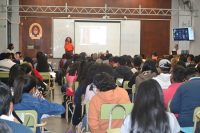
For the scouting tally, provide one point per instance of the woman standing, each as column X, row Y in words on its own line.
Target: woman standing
column 69, row 48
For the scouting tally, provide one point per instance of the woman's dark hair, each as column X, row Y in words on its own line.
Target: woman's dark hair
column 181, row 63
column 5, row 99
column 178, row 74
column 137, row 61
column 23, row 84
column 10, row 46
column 148, row 114
column 149, row 65
column 29, row 60
column 191, row 72
column 73, row 68
column 15, row 71
column 68, row 38
column 42, row 64
column 26, row 68
column 104, row 81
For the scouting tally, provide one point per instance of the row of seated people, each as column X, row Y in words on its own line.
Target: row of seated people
column 171, row 75
column 25, row 83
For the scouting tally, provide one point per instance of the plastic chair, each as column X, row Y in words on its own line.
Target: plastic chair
column 115, row 111
column 196, row 116
column 48, row 76
column 133, row 92
column 125, row 85
column 29, row 119
column 119, row 81
column 114, row 130
column 4, row 74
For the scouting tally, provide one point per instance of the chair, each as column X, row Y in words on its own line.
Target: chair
column 48, row 76
column 119, row 81
column 125, row 85
column 133, row 92
column 114, row 130
column 196, row 118
column 4, row 74
column 29, row 119
column 115, row 111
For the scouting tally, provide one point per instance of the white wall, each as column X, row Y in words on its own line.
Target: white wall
column 130, row 36
column 178, row 20
column 3, row 27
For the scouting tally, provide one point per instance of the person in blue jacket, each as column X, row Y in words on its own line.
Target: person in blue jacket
column 187, row 98
column 25, row 93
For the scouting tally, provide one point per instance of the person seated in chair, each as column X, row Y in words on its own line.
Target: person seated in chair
column 107, row 93
column 6, row 110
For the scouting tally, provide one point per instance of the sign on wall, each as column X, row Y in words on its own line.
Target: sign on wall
column 35, row 31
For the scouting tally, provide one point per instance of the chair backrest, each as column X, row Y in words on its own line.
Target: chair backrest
column 76, row 85
column 125, row 85
column 114, row 130
column 119, row 81
column 115, row 111
column 4, row 74
column 45, row 75
column 29, row 118
column 196, row 116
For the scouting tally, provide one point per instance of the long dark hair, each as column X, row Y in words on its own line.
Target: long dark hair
column 149, row 114
column 42, row 63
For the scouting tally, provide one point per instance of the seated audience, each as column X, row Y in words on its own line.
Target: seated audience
column 6, row 63
column 164, row 77
column 154, row 56
column 149, row 114
column 6, row 110
column 177, row 78
column 187, row 98
column 24, row 90
column 108, row 93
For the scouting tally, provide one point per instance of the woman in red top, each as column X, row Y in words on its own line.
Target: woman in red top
column 69, row 48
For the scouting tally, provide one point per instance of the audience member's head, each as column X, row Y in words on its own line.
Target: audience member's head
column 15, row 71
column 10, row 46
column 18, row 55
column 190, row 58
column 178, row 74
column 183, row 58
column 181, row 63
column 42, row 64
column 104, row 81
column 26, row 67
column 149, row 105
column 154, row 56
column 29, row 60
column 6, row 105
column 23, row 84
column 164, row 65
column 137, row 61
column 122, row 61
column 191, row 72
column 149, row 65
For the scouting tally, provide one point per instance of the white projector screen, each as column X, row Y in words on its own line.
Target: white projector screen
column 97, row 36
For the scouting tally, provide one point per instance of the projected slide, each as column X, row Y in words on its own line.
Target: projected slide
column 95, row 37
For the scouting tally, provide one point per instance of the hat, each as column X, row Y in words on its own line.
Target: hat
column 164, row 63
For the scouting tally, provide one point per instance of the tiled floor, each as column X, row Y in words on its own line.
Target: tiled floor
column 57, row 124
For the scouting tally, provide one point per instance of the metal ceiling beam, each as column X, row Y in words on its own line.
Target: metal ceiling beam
column 36, row 9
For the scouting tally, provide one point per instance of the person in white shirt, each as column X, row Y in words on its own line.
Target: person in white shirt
column 6, row 63
column 149, row 114
column 10, row 48
column 164, row 77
